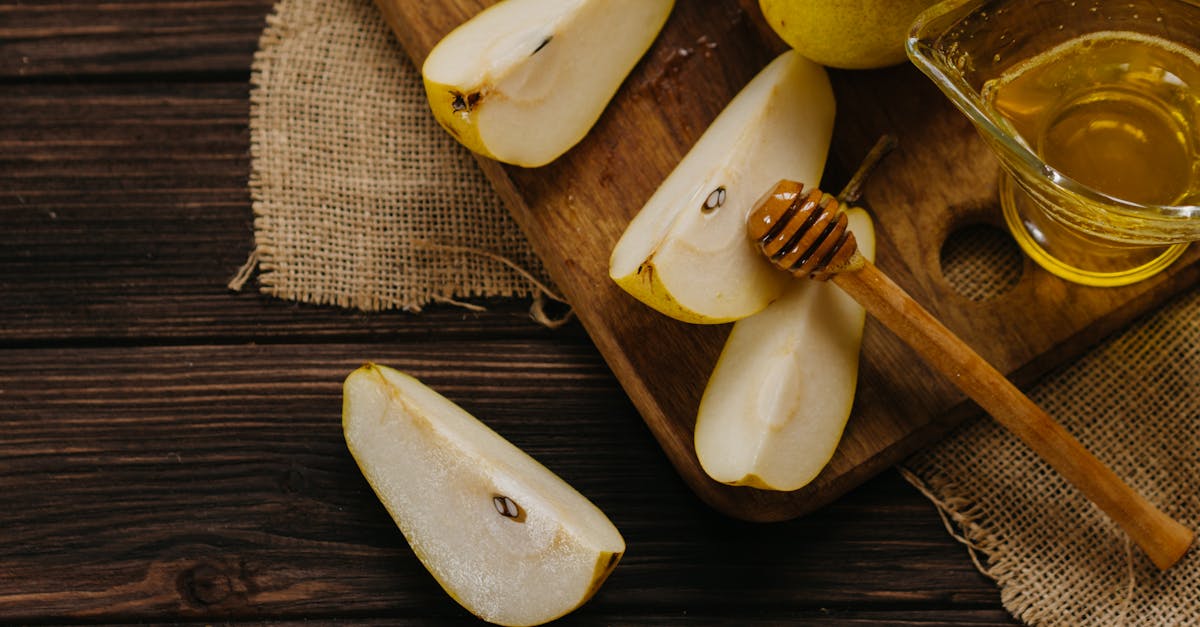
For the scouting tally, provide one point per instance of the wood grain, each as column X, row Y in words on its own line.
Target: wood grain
column 177, row 483
column 126, row 210
column 76, row 38
column 941, row 178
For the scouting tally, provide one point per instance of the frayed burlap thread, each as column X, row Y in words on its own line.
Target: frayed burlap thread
column 352, row 179
column 1135, row 403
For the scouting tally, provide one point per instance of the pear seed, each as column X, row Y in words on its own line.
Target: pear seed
column 541, row 45
column 715, row 199
column 462, row 103
column 508, row 508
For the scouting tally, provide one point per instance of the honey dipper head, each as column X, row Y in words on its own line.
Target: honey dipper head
column 801, row 231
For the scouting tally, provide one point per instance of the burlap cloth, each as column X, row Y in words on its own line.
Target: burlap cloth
column 360, row 200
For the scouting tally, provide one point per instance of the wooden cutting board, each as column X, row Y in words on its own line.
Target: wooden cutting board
column 940, row 179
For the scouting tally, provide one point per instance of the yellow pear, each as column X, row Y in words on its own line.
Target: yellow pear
column 781, row 392
column 524, row 80
column 849, row 34
column 686, row 253
column 505, row 537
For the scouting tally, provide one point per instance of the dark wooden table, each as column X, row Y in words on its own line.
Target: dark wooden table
column 171, row 451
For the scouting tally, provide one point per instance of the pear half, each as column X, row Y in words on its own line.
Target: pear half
column 524, row 80
column 505, row 537
column 781, row 392
column 686, row 253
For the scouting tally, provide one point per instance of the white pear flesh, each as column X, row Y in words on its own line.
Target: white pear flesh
column 781, row 393
column 686, row 253
column 507, row 538
column 525, row 80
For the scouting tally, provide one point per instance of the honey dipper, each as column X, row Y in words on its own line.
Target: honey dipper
column 804, row 232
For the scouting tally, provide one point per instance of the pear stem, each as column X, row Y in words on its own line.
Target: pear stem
column 853, row 189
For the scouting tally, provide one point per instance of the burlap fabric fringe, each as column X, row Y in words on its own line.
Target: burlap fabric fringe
column 361, row 201
column 1134, row 401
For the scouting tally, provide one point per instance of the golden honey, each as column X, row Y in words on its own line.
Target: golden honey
column 1117, row 111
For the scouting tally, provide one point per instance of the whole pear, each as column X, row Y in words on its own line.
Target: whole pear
column 849, row 34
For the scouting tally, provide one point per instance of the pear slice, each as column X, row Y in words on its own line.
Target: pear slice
column 524, row 80
column 505, row 537
column 686, row 253
column 781, row 392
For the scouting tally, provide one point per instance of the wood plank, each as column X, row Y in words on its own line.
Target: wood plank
column 809, row 617
column 77, row 38
column 212, row 483
column 126, row 210
column 942, row 177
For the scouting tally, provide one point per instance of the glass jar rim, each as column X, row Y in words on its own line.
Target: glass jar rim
column 928, row 58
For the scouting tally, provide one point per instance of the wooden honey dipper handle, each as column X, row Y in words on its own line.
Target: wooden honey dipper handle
column 784, row 221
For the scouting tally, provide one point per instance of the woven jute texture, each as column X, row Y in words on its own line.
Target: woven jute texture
column 359, row 197
column 1135, row 403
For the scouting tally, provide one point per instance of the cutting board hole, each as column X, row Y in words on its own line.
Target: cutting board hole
column 981, row 262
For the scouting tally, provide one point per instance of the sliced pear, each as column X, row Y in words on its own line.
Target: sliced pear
column 781, row 393
column 505, row 537
column 686, row 253
column 524, row 80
